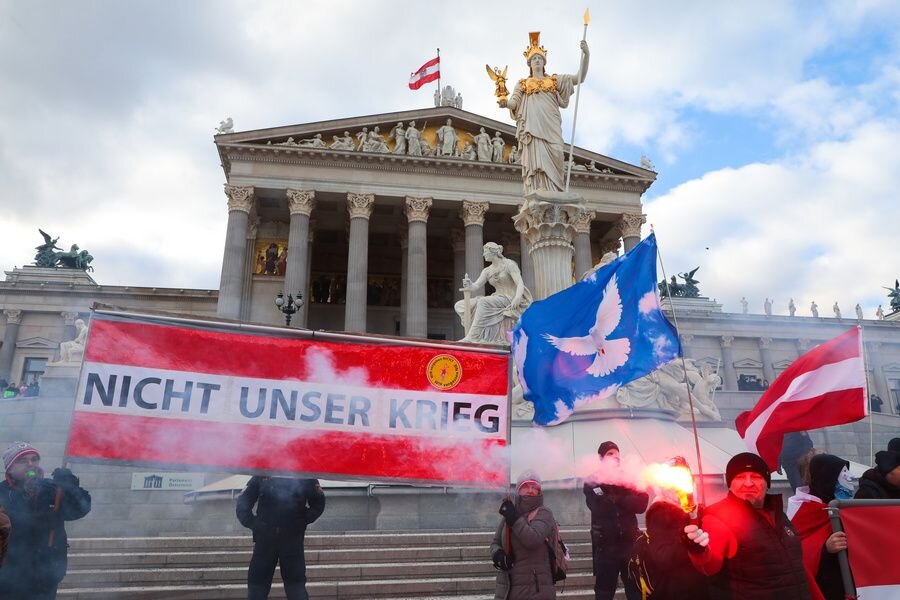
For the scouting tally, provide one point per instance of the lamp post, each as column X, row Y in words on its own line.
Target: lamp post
column 289, row 305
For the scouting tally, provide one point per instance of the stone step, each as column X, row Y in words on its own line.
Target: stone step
column 156, row 559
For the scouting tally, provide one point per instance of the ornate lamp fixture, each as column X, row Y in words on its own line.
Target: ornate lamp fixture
column 289, row 305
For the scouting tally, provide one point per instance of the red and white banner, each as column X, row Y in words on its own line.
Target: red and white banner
column 824, row 387
column 871, row 539
column 430, row 71
column 210, row 396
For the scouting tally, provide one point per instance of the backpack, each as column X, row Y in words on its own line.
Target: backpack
column 637, row 566
column 559, row 552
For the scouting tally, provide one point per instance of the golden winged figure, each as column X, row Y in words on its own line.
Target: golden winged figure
column 500, row 82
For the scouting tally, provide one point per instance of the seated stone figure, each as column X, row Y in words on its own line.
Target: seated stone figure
column 73, row 350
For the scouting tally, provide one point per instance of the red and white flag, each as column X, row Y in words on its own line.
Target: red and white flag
column 872, row 538
column 824, row 387
column 430, row 71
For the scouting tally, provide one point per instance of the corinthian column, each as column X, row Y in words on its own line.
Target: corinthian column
column 296, row 276
column 527, row 262
column 10, row 337
column 240, row 201
column 630, row 226
column 417, row 210
column 472, row 213
column 730, row 378
column 359, row 206
column 404, row 278
column 458, row 243
column 583, row 243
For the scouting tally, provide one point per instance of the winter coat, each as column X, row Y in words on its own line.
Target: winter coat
column 284, row 506
column 873, row 486
column 37, row 553
column 530, row 577
column 614, row 511
column 752, row 554
column 4, row 534
column 660, row 563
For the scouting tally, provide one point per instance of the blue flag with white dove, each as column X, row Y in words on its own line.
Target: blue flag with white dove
column 587, row 341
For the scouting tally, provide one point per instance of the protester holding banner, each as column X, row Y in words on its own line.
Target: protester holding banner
column 829, row 478
column 520, row 550
column 38, row 508
column 284, row 508
column 747, row 545
column 882, row 482
column 614, row 510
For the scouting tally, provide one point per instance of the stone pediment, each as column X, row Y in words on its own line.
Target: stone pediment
column 37, row 343
column 891, row 367
column 748, row 363
column 374, row 139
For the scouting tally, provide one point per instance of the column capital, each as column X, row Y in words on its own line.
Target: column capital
column 417, row 209
column 803, row 344
column 472, row 212
column 301, row 202
column 457, row 240
column 726, row 341
column 69, row 317
column 13, row 317
column 583, row 222
column 765, row 343
column 360, row 205
column 630, row 224
column 686, row 338
column 239, row 198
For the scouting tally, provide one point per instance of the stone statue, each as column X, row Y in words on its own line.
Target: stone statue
column 375, row 143
column 399, row 136
column 288, row 142
column 497, row 145
column 744, row 304
column 592, row 167
column 313, row 142
column 688, row 289
column 879, row 313
column 342, row 143
column 513, row 156
column 767, row 307
column 837, row 310
column 667, row 388
column 792, row 308
column 491, row 317
column 646, row 163
column 447, row 137
column 427, row 149
column 73, row 350
column 361, row 138
column 483, row 146
column 437, row 98
column 859, row 313
column 458, row 102
column 814, row 309
column 468, row 152
column 45, row 256
column 413, row 145
column 894, row 295
column 576, row 166
column 448, row 96
column 226, row 126
column 535, row 105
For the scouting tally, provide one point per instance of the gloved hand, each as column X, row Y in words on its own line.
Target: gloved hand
column 695, row 539
column 65, row 477
column 502, row 560
column 509, row 512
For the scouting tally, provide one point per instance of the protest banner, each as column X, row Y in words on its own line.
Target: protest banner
column 210, row 395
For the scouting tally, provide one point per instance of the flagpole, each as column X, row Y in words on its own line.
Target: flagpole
column 587, row 19
column 865, row 357
column 684, row 367
column 439, row 76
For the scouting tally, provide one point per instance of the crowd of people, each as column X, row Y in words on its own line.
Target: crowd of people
column 9, row 389
column 746, row 546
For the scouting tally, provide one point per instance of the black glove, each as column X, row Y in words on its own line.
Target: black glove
column 509, row 512
column 502, row 560
column 65, row 477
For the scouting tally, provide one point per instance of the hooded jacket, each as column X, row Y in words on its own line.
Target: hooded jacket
column 614, row 511
column 284, row 506
column 874, row 486
column 530, row 577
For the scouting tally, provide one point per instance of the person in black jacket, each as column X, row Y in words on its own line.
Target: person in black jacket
column 613, row 528
column 882, row 482
column 36, row 558
column 284, row 507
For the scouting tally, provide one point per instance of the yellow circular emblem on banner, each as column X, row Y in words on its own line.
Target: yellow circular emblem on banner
column 444, row 371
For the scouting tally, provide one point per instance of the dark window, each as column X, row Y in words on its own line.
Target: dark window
column 34, row 368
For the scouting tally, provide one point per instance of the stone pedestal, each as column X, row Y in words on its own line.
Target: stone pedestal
column 60, row 379
column 548, row 220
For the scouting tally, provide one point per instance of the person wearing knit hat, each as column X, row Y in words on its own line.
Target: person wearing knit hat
column 745, row 544
column 894, row 444
column 37, row 508
column 518, row 551
column 883, row 481
column 614, row 508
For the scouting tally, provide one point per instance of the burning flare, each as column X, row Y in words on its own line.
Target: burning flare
column 674, row 476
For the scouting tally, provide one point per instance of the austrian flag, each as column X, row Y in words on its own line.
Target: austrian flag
column 824, row 387
column 430, row 71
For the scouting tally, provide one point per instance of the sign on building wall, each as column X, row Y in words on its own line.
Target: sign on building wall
column 215, row 396
column 154, row 481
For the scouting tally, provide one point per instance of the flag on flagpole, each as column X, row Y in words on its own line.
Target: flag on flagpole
column 824, row 387
column 873, row 534
column 590, row 339
column 430, row 71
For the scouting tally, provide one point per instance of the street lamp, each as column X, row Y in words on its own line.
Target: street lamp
column 289, row 305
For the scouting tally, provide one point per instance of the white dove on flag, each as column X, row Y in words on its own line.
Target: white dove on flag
column 610, row 354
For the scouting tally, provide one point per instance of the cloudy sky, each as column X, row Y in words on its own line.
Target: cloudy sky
column 774, row 126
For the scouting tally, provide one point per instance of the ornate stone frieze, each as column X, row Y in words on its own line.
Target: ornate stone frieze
column 765, row 343
column 472, row 212
column 239, row 198
column 360, row 205
column 301, row 202
column 630, row 224
column 13, row 317
column 548, row 223
column 727, row 340
column 69, row 317
column 417, row 209
column 583, row 223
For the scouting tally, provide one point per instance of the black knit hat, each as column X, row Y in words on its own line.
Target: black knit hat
column 743, row 462
column 823, row 475
column 894, row 445
column 886, row 461
column 606, row 447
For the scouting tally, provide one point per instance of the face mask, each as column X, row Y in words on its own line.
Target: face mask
column 843, row 488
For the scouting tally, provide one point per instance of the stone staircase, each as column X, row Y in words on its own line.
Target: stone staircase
column 390, row 565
